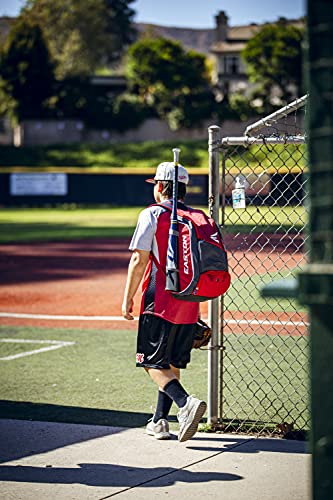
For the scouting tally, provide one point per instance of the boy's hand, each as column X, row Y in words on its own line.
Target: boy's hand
column 127, row 309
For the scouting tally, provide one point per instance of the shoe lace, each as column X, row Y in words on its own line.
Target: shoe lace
column 182, row 415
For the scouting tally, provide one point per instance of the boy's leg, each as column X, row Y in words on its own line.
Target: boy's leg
column 167, row 380
column 164, row 402
column 190, row 409
column 160, row 345
column 159, row 426
column 163, row 407
column 161, row 376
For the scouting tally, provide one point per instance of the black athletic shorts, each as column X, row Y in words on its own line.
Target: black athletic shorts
column 161, row 343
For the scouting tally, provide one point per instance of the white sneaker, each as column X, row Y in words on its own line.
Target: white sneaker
column 160, row 429
column 189, row 417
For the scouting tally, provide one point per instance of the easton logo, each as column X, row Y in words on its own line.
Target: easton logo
column 215, row 238
column 186, row 251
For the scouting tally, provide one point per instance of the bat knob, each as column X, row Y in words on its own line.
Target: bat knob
column 176, row 152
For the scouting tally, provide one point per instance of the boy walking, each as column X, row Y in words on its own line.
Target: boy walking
column 166, row 324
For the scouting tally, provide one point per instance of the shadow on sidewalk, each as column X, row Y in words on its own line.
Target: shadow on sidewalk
column 44, row 412
column 254, row 445
column 28, row 429
column 109, row 475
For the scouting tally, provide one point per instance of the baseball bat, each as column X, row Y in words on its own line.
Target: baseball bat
column 172, row 269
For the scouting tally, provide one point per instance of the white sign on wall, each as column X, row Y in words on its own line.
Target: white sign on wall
column 35, row 184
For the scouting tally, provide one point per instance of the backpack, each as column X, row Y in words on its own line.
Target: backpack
column 202, row 258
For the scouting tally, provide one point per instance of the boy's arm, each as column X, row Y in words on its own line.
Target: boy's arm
column 136, row 269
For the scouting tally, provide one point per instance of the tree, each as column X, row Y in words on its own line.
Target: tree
column 78, row 99
column 174, row 82
column 26, row 72
column 274, row 58
column 82, row 35
column 120, row 27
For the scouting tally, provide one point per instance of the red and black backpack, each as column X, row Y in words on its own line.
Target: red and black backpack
column 202, row 258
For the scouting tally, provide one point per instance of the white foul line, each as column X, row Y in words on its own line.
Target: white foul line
column 55, row 344
column 61, row 317
column 120, row 318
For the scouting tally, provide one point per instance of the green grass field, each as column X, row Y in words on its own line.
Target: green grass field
column 69, row 223
column 244, row 294
column 96, row 378
column 98, row 372
column 266, row 379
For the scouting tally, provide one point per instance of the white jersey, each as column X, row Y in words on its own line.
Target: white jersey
column 144, row 234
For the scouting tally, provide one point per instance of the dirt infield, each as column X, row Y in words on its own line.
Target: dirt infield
column 87, row 278
column 83, row 278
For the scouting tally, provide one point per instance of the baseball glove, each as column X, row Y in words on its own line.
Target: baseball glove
column 202, row 335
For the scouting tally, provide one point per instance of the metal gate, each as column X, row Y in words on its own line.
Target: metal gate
column 258, row 359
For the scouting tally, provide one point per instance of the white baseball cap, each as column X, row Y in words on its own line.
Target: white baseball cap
column 165, row 172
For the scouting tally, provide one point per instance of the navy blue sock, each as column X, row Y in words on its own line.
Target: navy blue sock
column 164, row 403
column 176, row 392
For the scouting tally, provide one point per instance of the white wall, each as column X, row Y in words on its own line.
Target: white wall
column 48, row 132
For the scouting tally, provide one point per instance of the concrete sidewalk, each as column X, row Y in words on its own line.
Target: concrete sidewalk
column 42, row 460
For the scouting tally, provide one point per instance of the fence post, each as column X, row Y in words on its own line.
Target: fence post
column 316, row 280
column 213, row 306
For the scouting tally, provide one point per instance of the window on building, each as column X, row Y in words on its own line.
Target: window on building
column 231, row 65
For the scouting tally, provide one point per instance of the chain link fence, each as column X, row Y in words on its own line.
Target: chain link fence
column 263, row 342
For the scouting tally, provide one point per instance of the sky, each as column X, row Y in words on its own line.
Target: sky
column 198, row 13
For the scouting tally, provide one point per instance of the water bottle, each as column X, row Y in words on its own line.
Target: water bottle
column 238, row 194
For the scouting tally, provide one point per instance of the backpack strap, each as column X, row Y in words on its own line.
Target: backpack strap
column 168, row 205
